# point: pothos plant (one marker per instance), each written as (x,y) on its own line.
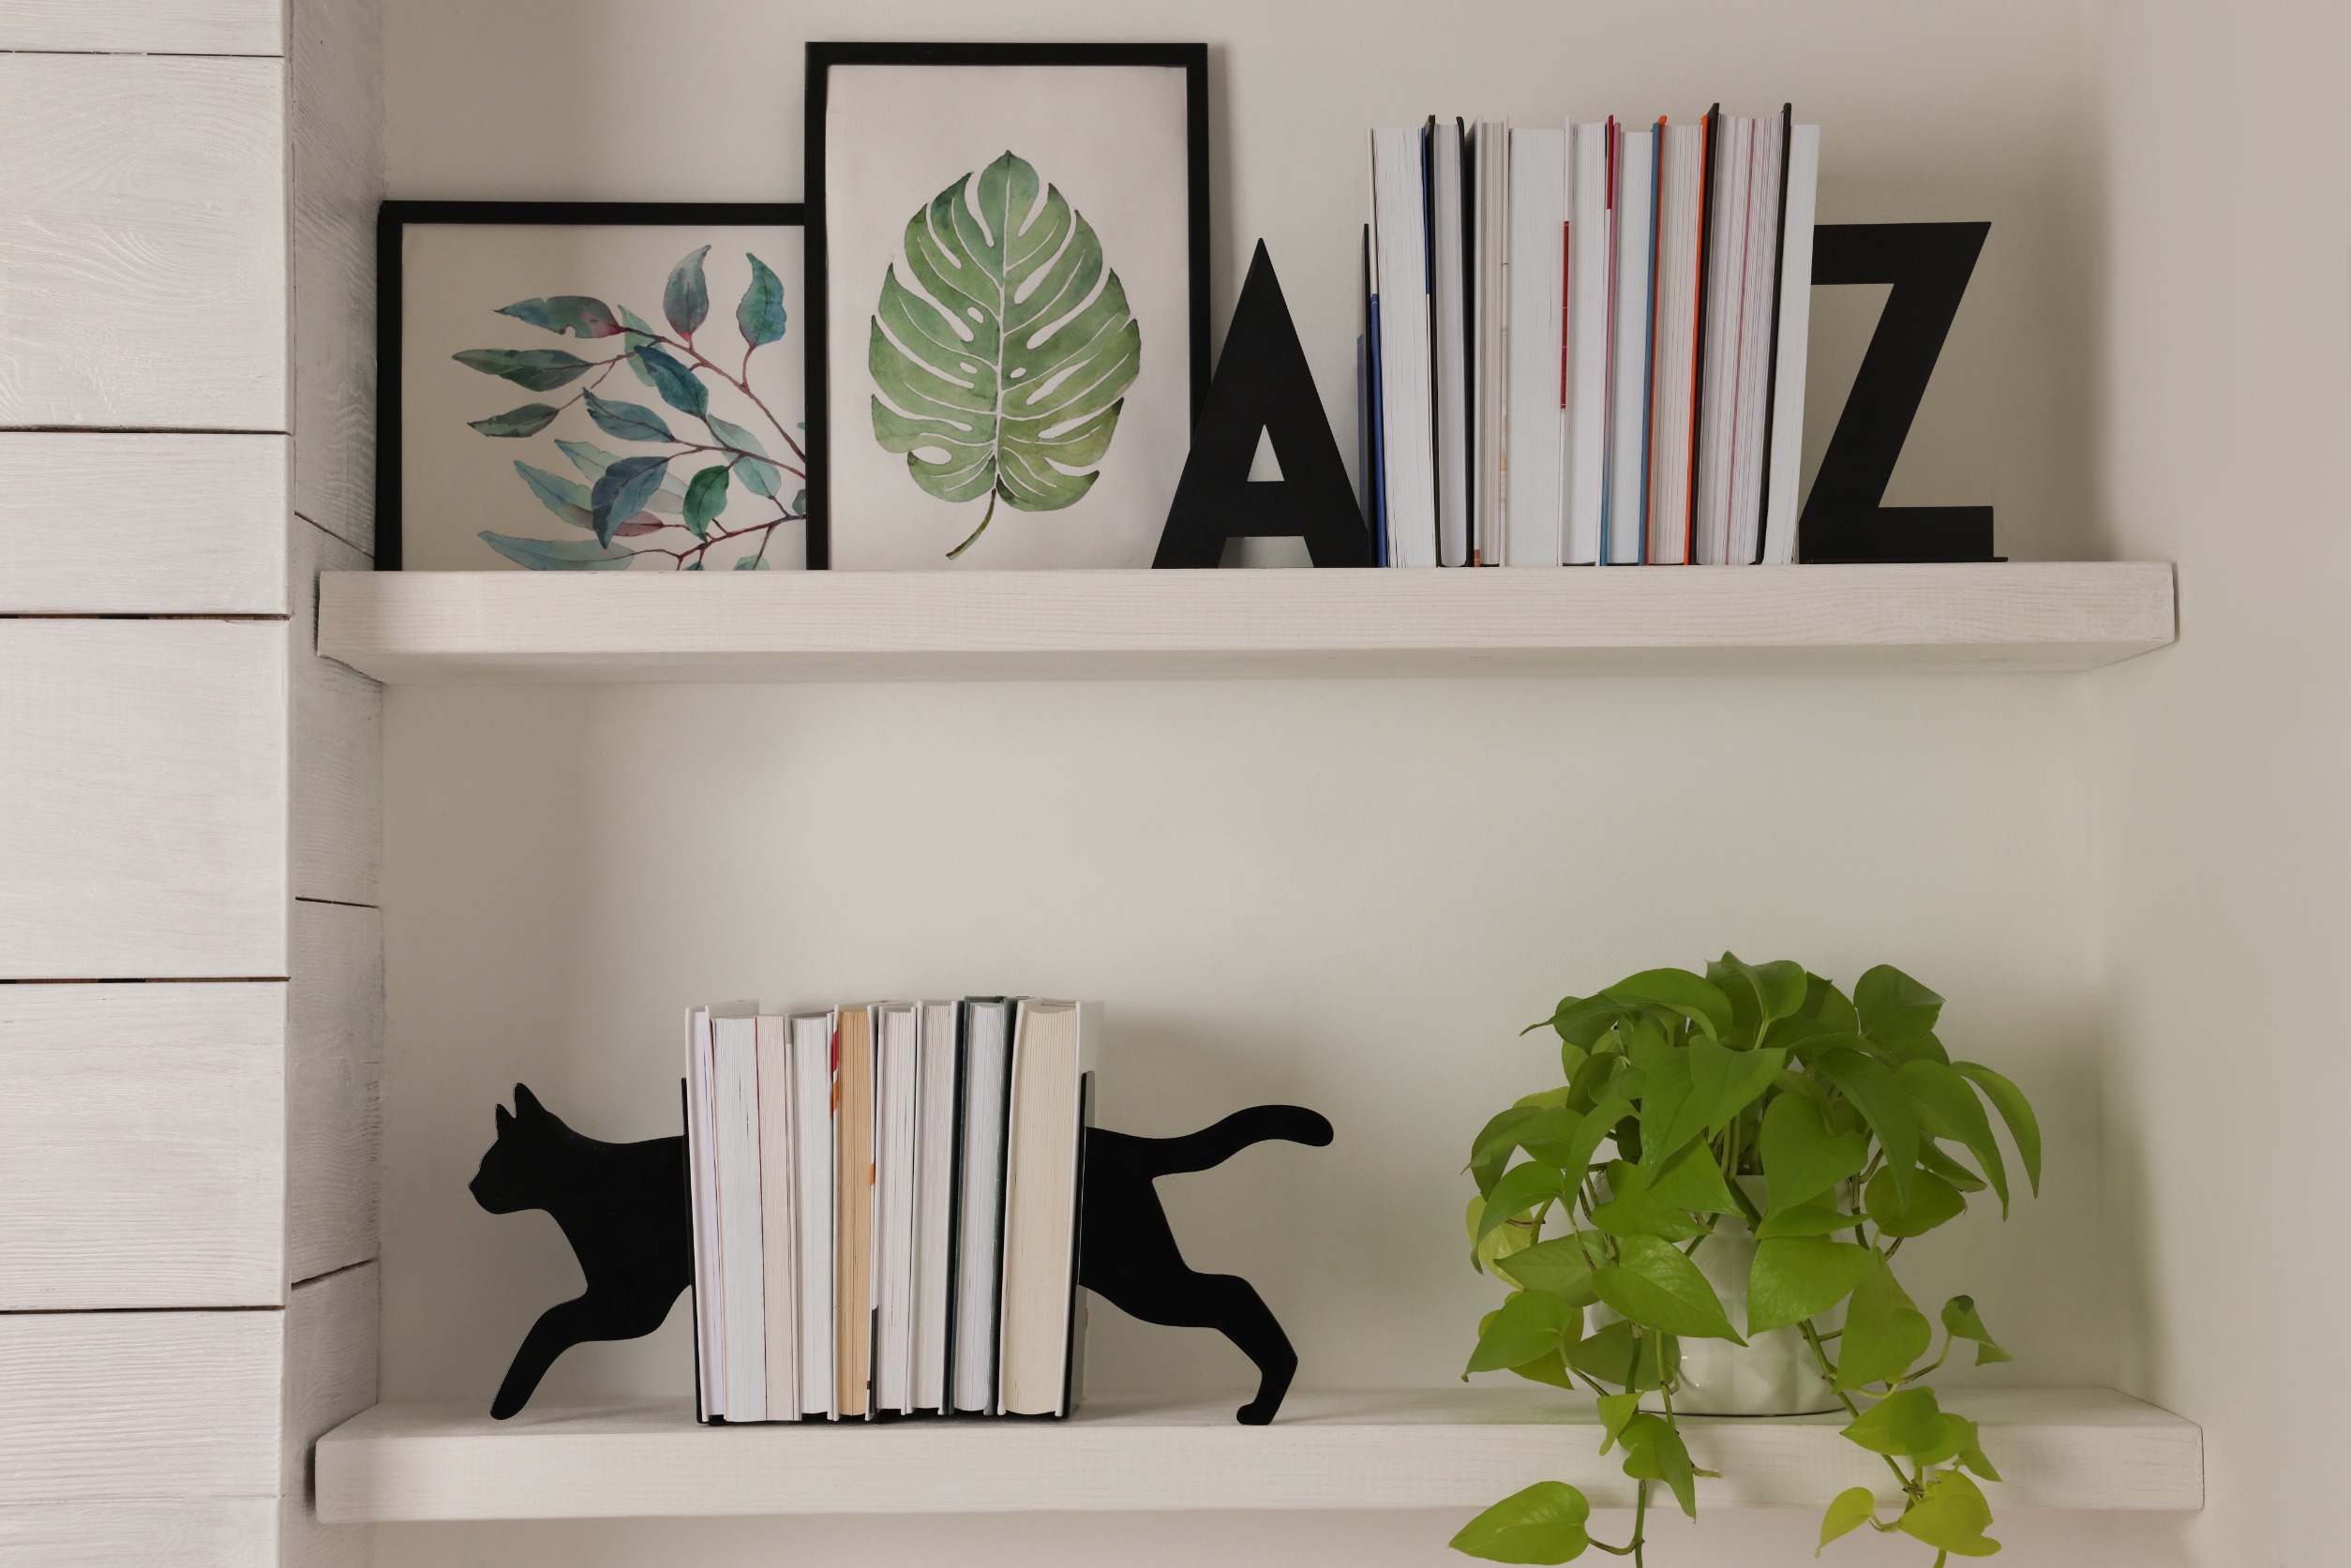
(1598,1192)
(668,502)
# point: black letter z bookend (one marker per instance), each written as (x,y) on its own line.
(1263,386)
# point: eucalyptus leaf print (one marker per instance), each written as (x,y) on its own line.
(692,489)
(1002,372)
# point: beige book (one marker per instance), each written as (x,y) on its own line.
(1040,1213)
(777,1245)
(853,1228)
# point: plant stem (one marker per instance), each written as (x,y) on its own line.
(1820,1354)
(978,532)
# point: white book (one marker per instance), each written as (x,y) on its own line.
(1053,1049)
(1632,312)
(1399,252)
(1538,194)
(1589,246)
(897,1084)
(742,1265)
(934,1206)
(812,1193)
(1795,329)
(779,1247)
(1491,271)
(1672,432)
(702,1170)
(980,1211)
(1761,295)
(1449,307)
(1733,156)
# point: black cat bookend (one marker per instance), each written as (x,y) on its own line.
(623,1208)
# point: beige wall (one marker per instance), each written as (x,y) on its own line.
(1350,894)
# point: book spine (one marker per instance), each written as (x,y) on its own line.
(1771,351)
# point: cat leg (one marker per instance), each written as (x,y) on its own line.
(559,1328)
(1232,1306)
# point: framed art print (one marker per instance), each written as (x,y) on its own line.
(1008,290)
(590,387)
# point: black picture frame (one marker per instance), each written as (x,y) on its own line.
(1191,58)
(392,217)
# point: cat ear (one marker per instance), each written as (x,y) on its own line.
(505,1121)
(526,1103)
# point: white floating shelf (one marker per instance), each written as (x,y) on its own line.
(1460,1448)
(529,626)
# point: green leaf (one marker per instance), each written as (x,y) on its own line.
(527,420)
(1655,1285)
(1819,1218)
(1503,1241)
(799,505)
(1885,1332)
(565,499)
(1541,1523)
(628,421)
(1795,1277)
(1580,1021)
(1522,1188)
(760,314)
(1528,1324)
(1691,1180)
(1559,1265)
(1016,386)
(750,563)
(1802,1159)
(623,491)
(1895,1008)
(759,476)
(577,314)
(1654,1450)
(1551,1367)
(559,555)
(1931,1157)
(1903,1424)
(2024,1127)
(1878,1094)
(1632,1210)
(706,498)
(1961,1323)
(1952,1517)
(1947,1107)
(1725,1082)
(1847,1511)
(1615,1411)
(587,458)
(1694,998)
(1493,1145)
(1932,1201)
(679,386)
(1615,1098)
(539,369)
(1826,1004)
(1607,1354)
(685,299)
(1672,1113)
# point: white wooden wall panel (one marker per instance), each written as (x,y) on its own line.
(337,742)
(144,764)
(115,523)
(142,242)
(141,1145)
(330,1377)
(145,26)
(139,1405)
(334,1117)
(337,181)
(220,1532)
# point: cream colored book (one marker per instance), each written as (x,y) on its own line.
(853,1228)
(778,1246)
(1052,1048)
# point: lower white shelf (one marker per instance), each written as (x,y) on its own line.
(1458,1448)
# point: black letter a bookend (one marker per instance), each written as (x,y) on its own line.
(1263,386)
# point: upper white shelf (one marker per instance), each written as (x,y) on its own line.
(1459,1448)
(518,626)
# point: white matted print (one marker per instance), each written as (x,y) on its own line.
(600,396)
(1008,312)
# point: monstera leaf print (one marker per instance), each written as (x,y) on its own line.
(1005,375)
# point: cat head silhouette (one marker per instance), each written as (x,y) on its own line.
(515,1170)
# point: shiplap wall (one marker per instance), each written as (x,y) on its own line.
(187,1297)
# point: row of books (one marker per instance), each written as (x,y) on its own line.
(884,1205)
(1585,345)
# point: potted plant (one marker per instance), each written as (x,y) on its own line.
(1804,1137)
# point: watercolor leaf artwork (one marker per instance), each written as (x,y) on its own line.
(1005,375)
(669,506)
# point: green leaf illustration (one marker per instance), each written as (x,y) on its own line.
(628,421)
(760,478)
(577,314)
(678,386)
(706,498)
(686,298)
(623,491)
(527,420)
(539,369)
(593,460)
(750,563)
(567,498)
(559,555)
(1009,378)
(761,313)
(637,336)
